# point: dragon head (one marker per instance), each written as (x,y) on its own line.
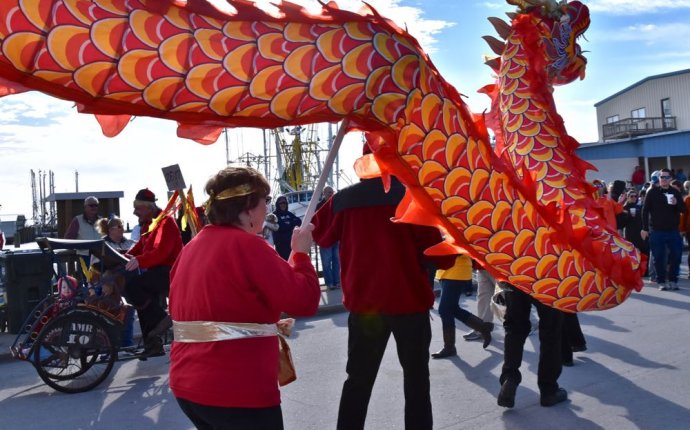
(560,24)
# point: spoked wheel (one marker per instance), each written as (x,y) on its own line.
(74,353)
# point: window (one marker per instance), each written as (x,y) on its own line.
(665,107)
(612,119)
(638,113)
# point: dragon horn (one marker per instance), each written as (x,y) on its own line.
(496,45)
(494,63)
(502,28)
(511,15)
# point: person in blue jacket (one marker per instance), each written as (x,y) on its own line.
(287,221)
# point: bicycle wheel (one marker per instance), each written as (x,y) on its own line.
(74,352)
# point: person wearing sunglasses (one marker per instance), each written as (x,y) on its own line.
(661,212)
(83,226)
(228,290)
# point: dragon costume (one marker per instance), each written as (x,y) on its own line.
(522,209)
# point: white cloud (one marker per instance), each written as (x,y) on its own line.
(633,7)
(667,35)
(493,5)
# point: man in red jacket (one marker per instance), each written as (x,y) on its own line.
(387,291)
(150,261)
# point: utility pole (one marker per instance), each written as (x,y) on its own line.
(76,180)
(227,148)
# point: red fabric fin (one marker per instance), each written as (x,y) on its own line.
(386,179)
(445,248)
(366,167)
(403,205)
(8,88)
(408,211)
(112,125)
(204,134)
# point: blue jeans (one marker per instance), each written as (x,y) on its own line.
(659,242)
(448,308)
(331,265)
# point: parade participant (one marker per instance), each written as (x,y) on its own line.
(386,290)
(113,230)
(287,221)
(83,226)
(572,338)
(660,219)
(517,327)
(486,286)
(330,258)
(229,279)
(453,282)
(150,261)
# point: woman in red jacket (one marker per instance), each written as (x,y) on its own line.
(228,289)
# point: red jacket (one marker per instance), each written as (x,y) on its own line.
(160,247)
(226,274)
(380,261)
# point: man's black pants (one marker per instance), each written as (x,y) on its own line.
(517,327)
(367,339)
(143,291)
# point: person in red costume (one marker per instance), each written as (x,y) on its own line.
(150,261)
(387,291)
(228,290)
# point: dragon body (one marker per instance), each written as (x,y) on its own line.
(523,211)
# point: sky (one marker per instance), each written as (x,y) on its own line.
(627,41)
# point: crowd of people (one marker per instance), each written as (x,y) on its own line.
(230,284)
(652,215)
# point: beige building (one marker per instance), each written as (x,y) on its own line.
(645,124)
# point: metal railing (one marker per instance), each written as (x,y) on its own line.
(631,127)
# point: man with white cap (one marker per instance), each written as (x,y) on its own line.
(83,226)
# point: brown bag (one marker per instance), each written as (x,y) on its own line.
(286,367)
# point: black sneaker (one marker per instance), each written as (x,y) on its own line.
(553,399)
(506,397)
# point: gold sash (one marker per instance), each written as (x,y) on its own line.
(213,331)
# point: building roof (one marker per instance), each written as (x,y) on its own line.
(81,196)
(637,84)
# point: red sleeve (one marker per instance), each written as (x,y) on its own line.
(158,249)
(73,229)
(292,287)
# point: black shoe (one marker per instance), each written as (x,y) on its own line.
(160,328)
(506,397)
(553,399)
(445,352)
(153,347)
(579,348)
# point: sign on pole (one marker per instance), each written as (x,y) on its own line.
(173,177)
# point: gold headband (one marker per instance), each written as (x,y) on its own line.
(229,193)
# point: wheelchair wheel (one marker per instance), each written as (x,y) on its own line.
(74,353)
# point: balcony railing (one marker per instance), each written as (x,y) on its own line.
(632,127)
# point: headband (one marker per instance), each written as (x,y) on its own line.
(229,193)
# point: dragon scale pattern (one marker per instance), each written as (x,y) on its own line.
(207,70)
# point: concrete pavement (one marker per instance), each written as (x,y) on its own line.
(635,375)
